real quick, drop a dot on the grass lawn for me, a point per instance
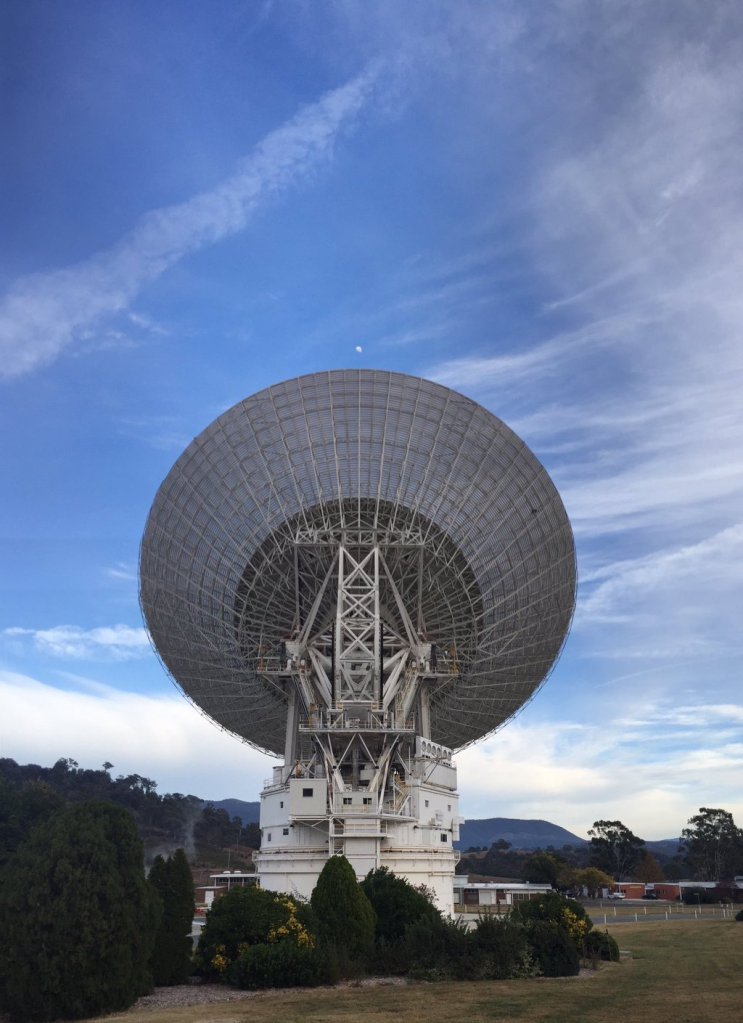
(681, 972)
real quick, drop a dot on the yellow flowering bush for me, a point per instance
(576, 927)
(219, 961)
(247, 918)
(291, 929)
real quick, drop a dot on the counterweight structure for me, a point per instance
(358, 571)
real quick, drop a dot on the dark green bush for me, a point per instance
(283, 964)
(739, 916)
(426, 949)
(503, 948)
(396, 903)
(243, 916)
(345, 918)
(549, 906)
(496, 949)
(553, 949)
(79, 917)
(600, 945)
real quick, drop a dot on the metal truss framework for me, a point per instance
(358, 538)
(357, 670)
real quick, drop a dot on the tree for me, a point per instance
(713, 845)
(541, 868)
(79, 918)
(345, 918)
(674, 869)
(593, 880)
(21, 810)
(171, 956)
(614, 848)
(649, 870)
(396, 903)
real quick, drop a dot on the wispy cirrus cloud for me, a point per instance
(122, 571)
(45, 313)
(629, 388)
(713, 560)
(71, 642)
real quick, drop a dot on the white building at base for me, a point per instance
(408, 821)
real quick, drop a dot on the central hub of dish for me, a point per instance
(364, 605)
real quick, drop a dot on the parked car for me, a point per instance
(616, 895)
(650, 895)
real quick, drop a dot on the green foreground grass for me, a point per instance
(684, 971)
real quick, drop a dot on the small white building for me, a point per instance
(493, 896)
(223, 882)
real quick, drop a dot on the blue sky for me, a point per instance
(539, 204)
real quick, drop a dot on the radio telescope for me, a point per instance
(360, 572)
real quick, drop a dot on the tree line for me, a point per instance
(164, 822)
(710, 849)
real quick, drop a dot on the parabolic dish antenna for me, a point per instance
(476, 554)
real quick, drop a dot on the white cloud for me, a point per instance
(651, 770)
(44, 313)
(706, 573)
(123, 571)
(117, 642)
(160, 737)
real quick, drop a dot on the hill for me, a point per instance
(522, 834)
(664, 847)
(248, 813)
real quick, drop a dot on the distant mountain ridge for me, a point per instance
(522, 834)
(248, 813)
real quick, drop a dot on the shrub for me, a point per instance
(397, 904)
(79, 917)
(243, 917)
(503, 948)
(446, 950)
(601, 945)
(345, 918)
(739, 916)
(553, 948)
(549, 906)
(552, 907)
(440, 949)
(284, 964)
